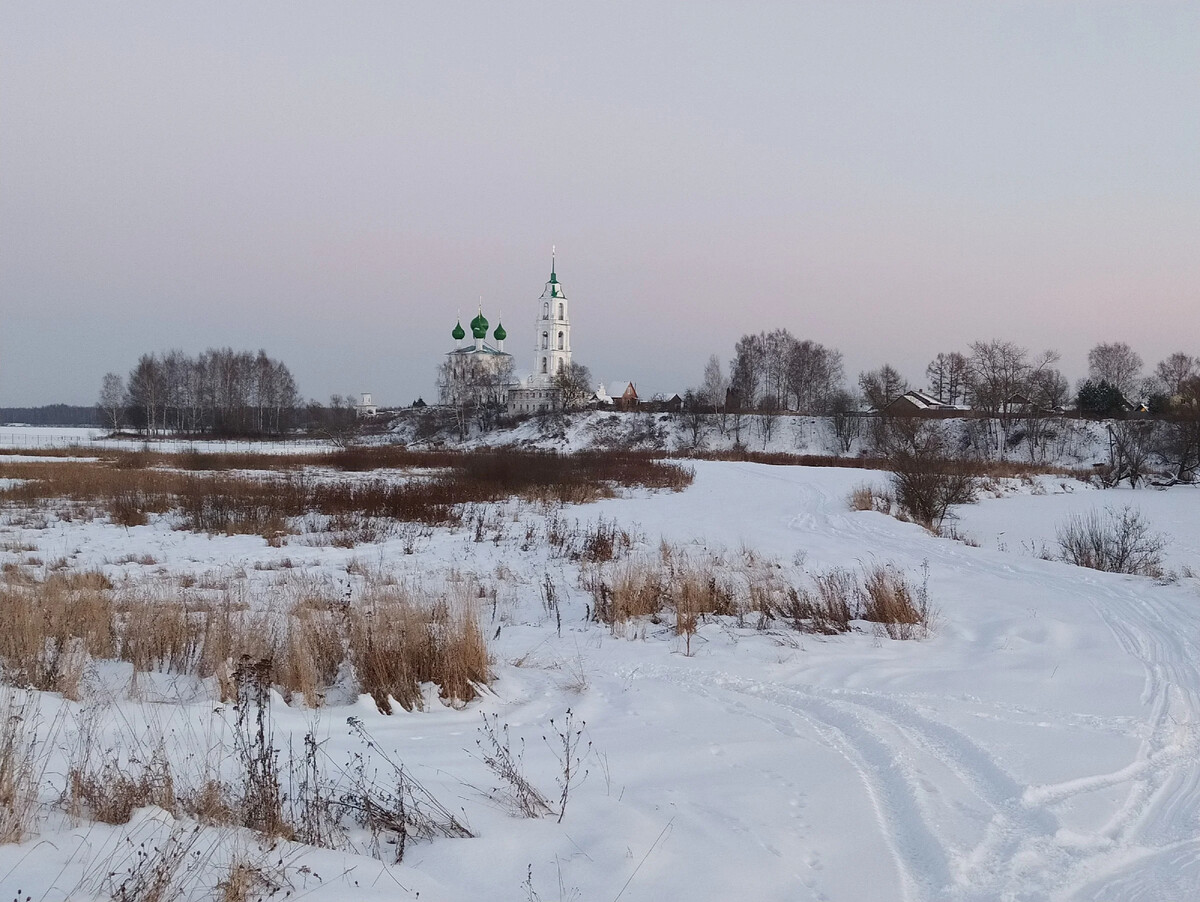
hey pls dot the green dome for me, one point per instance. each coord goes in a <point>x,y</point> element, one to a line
<point>500,334</point>
<point>459,333</point>
<point>479,326</point>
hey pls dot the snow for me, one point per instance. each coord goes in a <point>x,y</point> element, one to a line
<point>1041,744</point>
<point>47,437</point>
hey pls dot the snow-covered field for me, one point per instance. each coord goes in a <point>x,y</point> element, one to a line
<point>52,437</point>
<point>1041,744</point>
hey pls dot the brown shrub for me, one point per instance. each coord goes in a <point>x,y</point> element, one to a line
<point>132,485</point>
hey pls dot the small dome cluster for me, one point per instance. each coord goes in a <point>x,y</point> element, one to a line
<point>479,328</point>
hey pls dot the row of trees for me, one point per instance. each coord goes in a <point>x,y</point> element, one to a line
<point>776,371</point>
<point>217,392</point>
<point>1013,390</point>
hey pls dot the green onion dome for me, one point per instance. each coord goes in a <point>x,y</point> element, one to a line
<point>479,326</point>
<point>500,334</point>
<point>459,333</point>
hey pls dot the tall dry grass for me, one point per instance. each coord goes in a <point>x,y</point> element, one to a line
<point>22,764</point>
<point>689,588</point>
<point>395,639</point>
<point>396,646</point>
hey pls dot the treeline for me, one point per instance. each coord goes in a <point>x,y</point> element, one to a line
<point>775,371</point>
<point>218,392</point>
<point>52,415</point>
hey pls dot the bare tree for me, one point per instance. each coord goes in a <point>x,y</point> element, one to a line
<point>1177,445</point>
<point>694,414</point>
<point>1117,364</point>
<point>1001,380</point>
<point>475,388</point>
<point>1048,388</point>
<point>574,384</point>
<point>814,376</point>
<point>112,399</point>
<point>947,376</point>
<point>765,419</point>
<point>746,373</point>
<point>882,386</point>
<point>1131,446</point>
<point>715,390</point>
<point>712,391</point>
<point>147,392</point>
<point>846,419</point>
<point>1174,372</point>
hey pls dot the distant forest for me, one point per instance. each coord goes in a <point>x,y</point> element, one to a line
<point>52,415</point>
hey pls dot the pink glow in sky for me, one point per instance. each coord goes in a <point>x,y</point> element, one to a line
<point>334,182</point>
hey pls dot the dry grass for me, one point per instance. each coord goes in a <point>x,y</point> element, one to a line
<point>828,606</point>
<point>902,609</point>
<point>690,587</point>
<point>111,792</point>
<point>215,499</point>
<point>21,765</point>
<point>867,497</point>
<point>396,637</point>
<point>397,644</point>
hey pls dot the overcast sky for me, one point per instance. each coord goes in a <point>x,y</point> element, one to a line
<point>334,182</point>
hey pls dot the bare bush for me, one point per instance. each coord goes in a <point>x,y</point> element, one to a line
<point>156,871</point>
<point>926,479</point>
<point>495,751</point>
<point>1116,541</point>
<point>394,803</point>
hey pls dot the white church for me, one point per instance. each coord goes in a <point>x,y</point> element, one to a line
<point>536,393</point>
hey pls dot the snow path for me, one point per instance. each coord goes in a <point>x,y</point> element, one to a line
<point>908,755</point>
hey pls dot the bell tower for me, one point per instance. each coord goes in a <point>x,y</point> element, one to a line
<point>553,351</point>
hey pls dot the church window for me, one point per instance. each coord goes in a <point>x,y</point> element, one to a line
<point>545,340</point>
<point>560,364</point>
<point>560,311</point>
<point>560,341</point>
<point>546,310</point>
<point>543,364</point>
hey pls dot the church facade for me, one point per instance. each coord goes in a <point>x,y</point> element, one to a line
<point>480,372</point>
<point>484,364</point>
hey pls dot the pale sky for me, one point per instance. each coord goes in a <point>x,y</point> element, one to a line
<point>334,182</point>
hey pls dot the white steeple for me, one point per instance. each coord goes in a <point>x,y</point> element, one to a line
<point>553,351</point>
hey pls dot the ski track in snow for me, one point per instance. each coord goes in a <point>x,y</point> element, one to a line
<point>1025,853</point>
